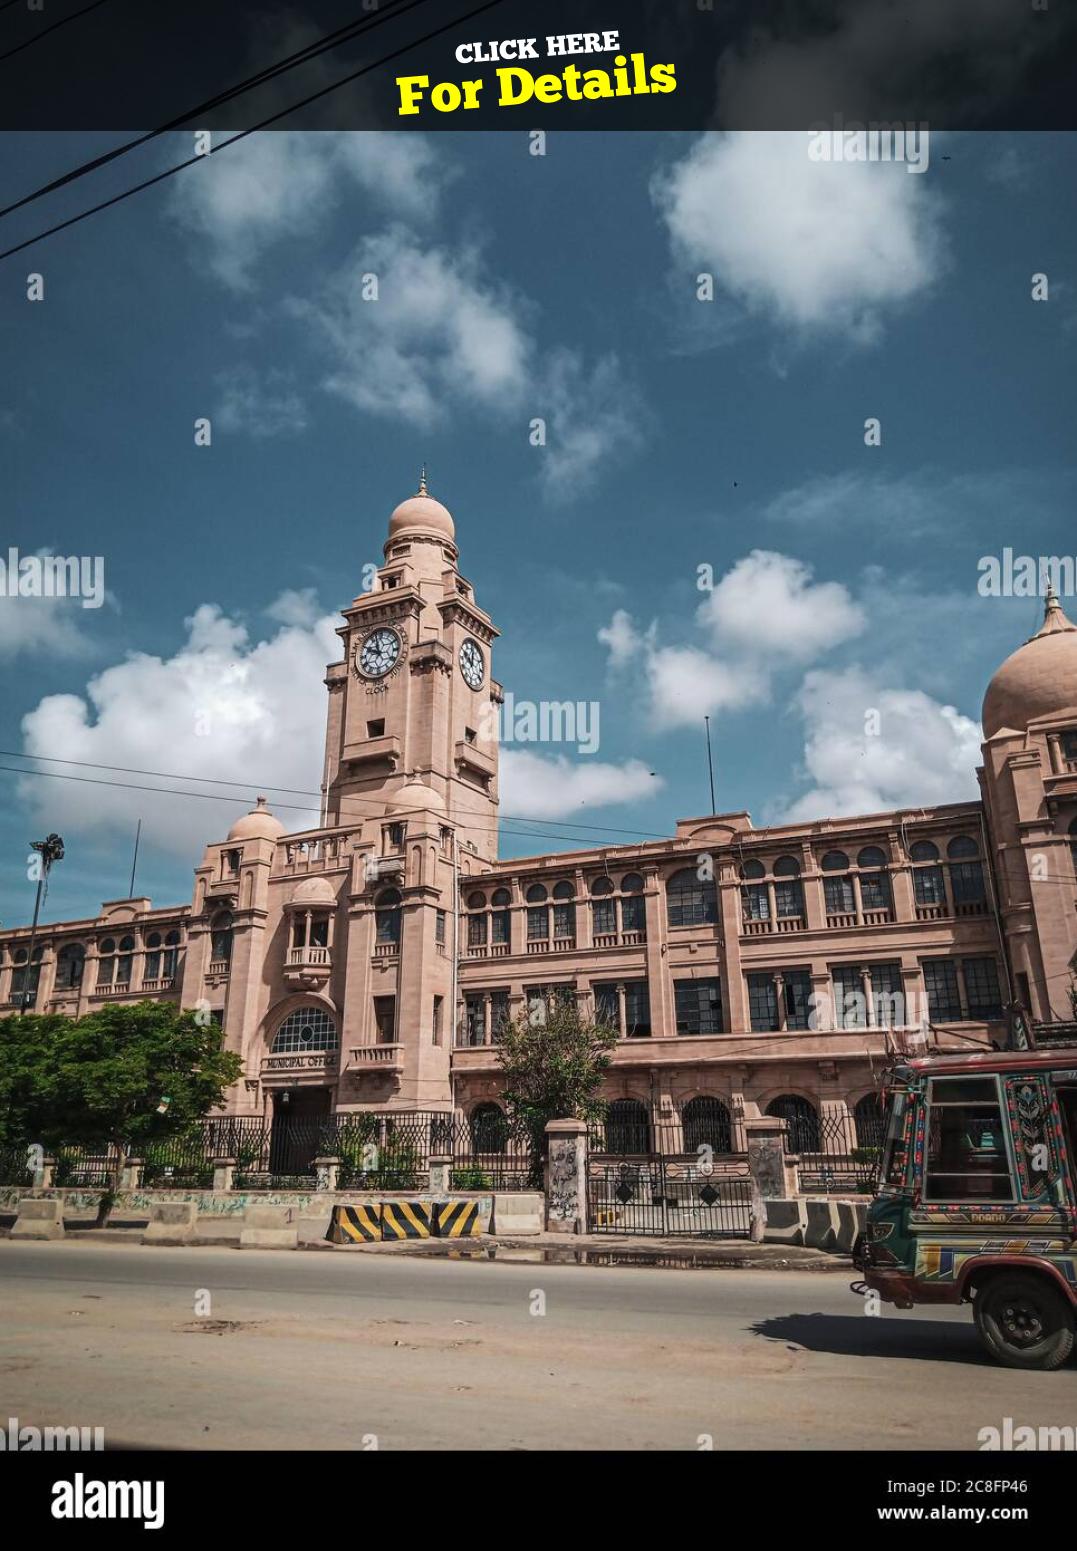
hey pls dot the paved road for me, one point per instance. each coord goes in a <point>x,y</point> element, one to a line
<point>317,1350</point>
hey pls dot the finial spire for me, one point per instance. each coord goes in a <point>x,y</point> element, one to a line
<point>422,490</point>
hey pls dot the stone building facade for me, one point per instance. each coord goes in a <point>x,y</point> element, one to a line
<point>368,963</point>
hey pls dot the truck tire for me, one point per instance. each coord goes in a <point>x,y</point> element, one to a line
<point>1024,1321</point>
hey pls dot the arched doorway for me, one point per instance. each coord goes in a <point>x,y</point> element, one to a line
<point>801,1119</point>
<point>628,1127</point>
<point>705,1122</point>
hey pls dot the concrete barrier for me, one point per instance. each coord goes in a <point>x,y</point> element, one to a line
<point>269,1227</point>
<point>852,1220</point>
<point>39,1219</point>
<point>171,1222</point>
<point>518,1212</point>
<point>821,1231</point>
<point>786,1221</point>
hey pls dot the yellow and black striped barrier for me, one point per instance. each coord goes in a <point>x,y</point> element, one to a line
<point>406,1219</point>
<point>355,1224</point>
<point>457,1219</point>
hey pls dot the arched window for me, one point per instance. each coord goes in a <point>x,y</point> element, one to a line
<point>501,916</point>
<point>538,913</point>
<point>928,886</point>
<point>633,904</point>
<point>874,883</point>
<point>628,1127</point>
<point>603,908</point>
<point>691,900</point>
<point>308,1028</point>
<point>152,967</point>
<point>489,1128</point>
<point>171,955</point>
<point>26,975</point>
<point>125,961</point>
<point>834,861</point>
<point>705,1123</point>
<point>788,889</point>
<point>801,1119</point>
<point>220,951</point>
<point>70,962</point>
<point>868,1121</point>
<point>753,869</point>
<point>106,961</point>
<point>966,876</point>
<point>838,894</point>
<point>387,916</point>
<point>476,921</point>
<point>564,912</point>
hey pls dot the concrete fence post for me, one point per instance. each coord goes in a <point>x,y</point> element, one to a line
<point>45,1178</point>
<point>327,1172</point>
<point>773,1170</point>
<point>224,1170</point>
<point>440,1177</point>
<point>131,1173</point>
<point>566,1176</point>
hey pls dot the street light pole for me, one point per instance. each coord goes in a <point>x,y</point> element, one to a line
<point>51,849</point>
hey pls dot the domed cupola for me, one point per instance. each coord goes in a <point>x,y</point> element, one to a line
<point>420,516</point>
<point>1038,679</point>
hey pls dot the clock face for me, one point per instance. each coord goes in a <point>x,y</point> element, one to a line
<point>378,653</point>
<point>471,664</point>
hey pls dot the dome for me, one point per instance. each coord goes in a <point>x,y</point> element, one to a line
<point>1038,679</point>
<point>415,795</point>
<point>258,824</point>
<point>314,891</point>
<point>420,513</point>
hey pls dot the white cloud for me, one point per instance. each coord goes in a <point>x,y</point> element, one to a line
<point>440,330</point>
<point>768,604</point>
<point>553,786</point>
<point>41,626</point>
<point>812,245</point>
<point>590,417</point>
<point>765,614</point>
<point>224,707</point>
<point>296,606</point>
<point>241,200</point>
<point>261,405</point>
<point>922,752</point>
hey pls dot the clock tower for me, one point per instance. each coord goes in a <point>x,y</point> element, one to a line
<point>412,718</point>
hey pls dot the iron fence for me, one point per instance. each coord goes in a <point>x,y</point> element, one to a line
<point>838,1154</point>
<point>661,1198</point>
<point>14,1165</point>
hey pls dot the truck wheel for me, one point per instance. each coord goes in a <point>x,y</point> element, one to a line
<point>1024,1322</point>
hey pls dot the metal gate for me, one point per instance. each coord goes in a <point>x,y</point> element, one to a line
<point>666,1198</point>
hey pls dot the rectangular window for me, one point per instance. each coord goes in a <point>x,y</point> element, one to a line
<point>763,1003</point>
<point>928,886</point>
<point>385,1019</point>
<point>564,921</point>
<point>789,898</point>
<point>966,1142</point>
<point>839,896</point>
<point>476,930</point>
<point>698,1006</point>
<point>943,997</point>
<point>755,902</point>
<point>633,913</point>
<point>499,1012</point>
<point>637,1009</point>
<point>603,917</point>
<point>967,883</point>
<point>606,1005</point>
<point>376,729</point>
<point>850,1007</point>
<point>469,735</point>
<point>395,835</point>
<point>439,1003</point>
<point>888,996</point>
<point>439,926</point>
<point>797,998</point>
<point>982,995</point>
<point>499,926</point>
<point>874,891</point>
<point>538,923</point>
<point>475,1019</point>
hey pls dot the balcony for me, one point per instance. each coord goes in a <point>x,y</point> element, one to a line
<point>386,950</point>
<point>375,751</point>
<point>468,757</point>
<point>307,968</point>
<point>620,939</point>
<point>878,917</point>
<point>375,1058</point>
<point>841,920</point>
<point>219,968</point>
<point>558,945</point>
<point>165,983</point>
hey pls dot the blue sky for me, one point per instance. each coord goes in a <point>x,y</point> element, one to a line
<point>680,434</point>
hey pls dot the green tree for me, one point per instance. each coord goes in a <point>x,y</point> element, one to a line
<point>25,1043</point>
<point>554,1063</point>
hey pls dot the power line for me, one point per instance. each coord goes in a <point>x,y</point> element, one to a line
<point>41,36</point>
<point>165,791</point>
<point>242,135</point>
<point>300,56</point>
<point>292,791</point>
